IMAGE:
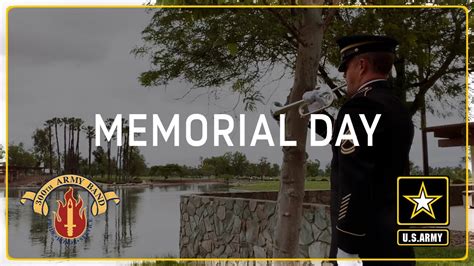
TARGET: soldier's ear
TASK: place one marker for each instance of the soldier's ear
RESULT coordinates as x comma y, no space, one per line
364,65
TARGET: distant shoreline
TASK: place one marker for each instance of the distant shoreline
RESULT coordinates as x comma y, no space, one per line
37,182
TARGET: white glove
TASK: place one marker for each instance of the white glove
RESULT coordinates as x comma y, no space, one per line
313,96
342,254
275,106
317,105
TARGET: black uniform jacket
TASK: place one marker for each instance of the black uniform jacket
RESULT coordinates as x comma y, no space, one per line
364,177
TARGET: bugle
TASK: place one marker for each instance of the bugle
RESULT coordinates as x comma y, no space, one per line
328,97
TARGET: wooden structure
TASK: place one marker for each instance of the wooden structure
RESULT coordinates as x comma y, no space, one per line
453,135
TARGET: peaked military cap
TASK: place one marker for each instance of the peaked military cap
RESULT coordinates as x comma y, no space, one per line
353,45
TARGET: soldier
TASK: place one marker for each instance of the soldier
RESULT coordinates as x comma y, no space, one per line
363,177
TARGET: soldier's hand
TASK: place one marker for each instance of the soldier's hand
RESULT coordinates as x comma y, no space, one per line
274,108
355,260
313,96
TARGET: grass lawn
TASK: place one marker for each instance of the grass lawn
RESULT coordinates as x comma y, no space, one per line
443,252
275,185
421,252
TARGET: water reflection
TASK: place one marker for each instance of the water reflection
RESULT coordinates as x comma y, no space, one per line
145,224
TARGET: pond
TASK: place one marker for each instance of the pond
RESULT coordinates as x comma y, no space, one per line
144,225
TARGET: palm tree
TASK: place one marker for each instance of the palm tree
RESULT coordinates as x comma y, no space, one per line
49,125
78,124
65,122
108,123
126,151
90,134
70,149
56,121
120,151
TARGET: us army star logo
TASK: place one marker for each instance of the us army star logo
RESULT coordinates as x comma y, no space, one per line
423,202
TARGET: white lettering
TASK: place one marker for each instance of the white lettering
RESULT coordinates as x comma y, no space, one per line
109,133
327,120
136,130
370,129
223,132
262,122
189,139
174,126
346,122
283,141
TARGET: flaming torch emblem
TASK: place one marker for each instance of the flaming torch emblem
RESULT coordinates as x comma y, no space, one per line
70,220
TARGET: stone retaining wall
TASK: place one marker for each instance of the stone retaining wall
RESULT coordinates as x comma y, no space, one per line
241,225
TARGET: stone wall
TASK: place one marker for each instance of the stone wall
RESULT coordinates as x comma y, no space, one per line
241,225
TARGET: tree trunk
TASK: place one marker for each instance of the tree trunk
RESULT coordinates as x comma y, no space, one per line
64,145
50,135
57,146
71,147
291,194
125,156
76,157
90,151
108,160
116,164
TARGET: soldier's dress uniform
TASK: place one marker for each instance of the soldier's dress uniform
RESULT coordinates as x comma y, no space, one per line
364,178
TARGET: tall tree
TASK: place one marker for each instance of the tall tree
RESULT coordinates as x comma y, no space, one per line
70,149
239,163
65,122
56,121
42,149
125,152
215,48
430,60
237,48
20,157
49,125
100,160
90,135
109,123
78,126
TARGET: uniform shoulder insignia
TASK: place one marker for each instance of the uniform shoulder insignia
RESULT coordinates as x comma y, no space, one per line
364,91
347,146
367,91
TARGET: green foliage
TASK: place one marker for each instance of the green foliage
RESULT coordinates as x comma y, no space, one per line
42,151
312,168
18,156
456,174
216,48
227,166
236,48
327,170
2,152
137,164
168,170
431,54
100,161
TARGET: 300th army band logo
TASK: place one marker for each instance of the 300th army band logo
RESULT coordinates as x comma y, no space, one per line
69,222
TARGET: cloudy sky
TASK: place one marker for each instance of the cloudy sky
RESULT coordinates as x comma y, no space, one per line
77,62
